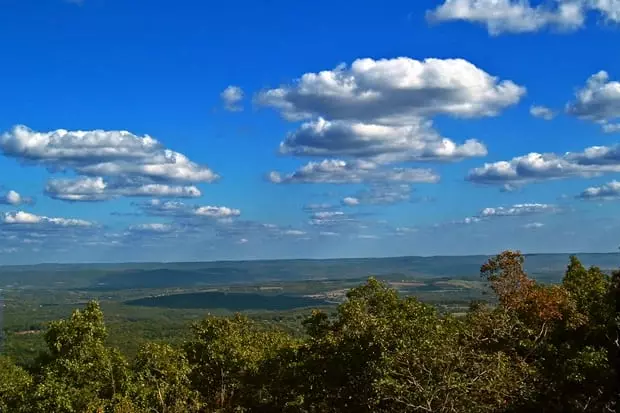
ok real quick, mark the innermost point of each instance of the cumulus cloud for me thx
(512, 16)
(179, 209)
(533, 167)
(350, 201)
(119, 155)
(598, 101)
(21, 218)
(15, 199)
(542, 112)
(231, 97)
(379, 112)
(394, 91)
(338, 171)
(518, 210)
(216, 212)
(608, 191)
(520, 16)
(416, 141)
(91, 189)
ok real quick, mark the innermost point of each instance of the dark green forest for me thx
(530, 347)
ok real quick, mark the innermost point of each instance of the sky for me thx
(195, 131)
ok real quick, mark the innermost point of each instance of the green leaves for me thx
(544, 348)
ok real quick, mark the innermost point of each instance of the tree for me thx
(161, 380)
(78, 373)
(15, 385)
(226, 355)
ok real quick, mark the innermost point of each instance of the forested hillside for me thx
(540, 348)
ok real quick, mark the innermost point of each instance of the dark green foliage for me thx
(228, 301)
(540, 348)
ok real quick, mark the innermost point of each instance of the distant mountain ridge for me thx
(547, 267)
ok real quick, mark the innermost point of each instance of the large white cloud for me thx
(608, 191)
(338, 171)
(379, 112)
(593, 161)
(118, 155)
(520, 16)
(394, 91)
(416, 141)
(97, 189)
(598, 101)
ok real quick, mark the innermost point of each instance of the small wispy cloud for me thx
(542, 112)
(231, 97)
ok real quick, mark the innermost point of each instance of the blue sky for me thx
(163, 131)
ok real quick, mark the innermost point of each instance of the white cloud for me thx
(385, 194)
(15, 198)
(611, 127)
(98, 153)
(542, 112)
(350, 201)
(328, 234)
(231, 96)
(518, 210)
(520, 16)
(338, 171)
(405, 230)
(152, 228)
(379, 112)
(367, 236)
(533, 167)
(512, 16)
(182, 210)
(216, 212)
(533, 225)
(323, 218)
(97, 189)
(608, 191)
(294, 232)
(598, 101)
(394, 91)
(468, 221)
(317, 207)
(416, 141)
(20, 218)
(243, 241)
